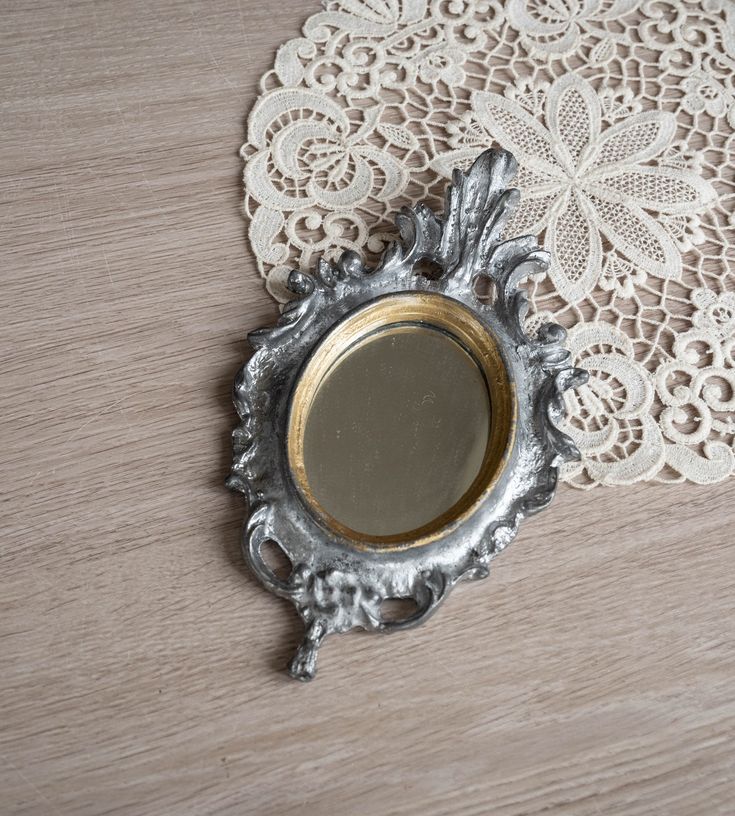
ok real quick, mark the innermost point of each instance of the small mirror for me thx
(399, 422)
(391, 442)
(399, 419)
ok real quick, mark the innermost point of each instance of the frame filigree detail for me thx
(334, 585)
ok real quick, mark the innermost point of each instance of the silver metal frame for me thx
(335, 585)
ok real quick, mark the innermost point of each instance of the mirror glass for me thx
(397, 430)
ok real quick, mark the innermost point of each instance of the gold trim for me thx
(439, 312)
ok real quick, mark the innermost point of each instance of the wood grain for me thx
(593, 673)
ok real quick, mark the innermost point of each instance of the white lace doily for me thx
(621, 114)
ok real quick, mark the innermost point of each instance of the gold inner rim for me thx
(400, 311)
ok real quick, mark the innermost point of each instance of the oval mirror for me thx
(391, 444)
(396, 426)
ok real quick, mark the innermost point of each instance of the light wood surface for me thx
(140, 664)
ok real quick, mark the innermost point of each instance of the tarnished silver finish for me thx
(336, 584)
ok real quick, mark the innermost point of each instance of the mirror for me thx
(391, 442)
(400, 420)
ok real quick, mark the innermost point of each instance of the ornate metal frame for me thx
(338, 582)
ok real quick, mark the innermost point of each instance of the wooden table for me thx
(594, 673)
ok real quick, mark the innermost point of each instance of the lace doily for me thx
(621, 114)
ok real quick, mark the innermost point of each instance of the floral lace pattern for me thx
(621, 114)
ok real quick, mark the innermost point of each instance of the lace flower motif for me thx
(697, 390)
(686, 34)
(590, 185)
(555, 28)
(315, 157)
(378, 18)
(443, 64)
(703, 93)
(715, 313)
(610, 418)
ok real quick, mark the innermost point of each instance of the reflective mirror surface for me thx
(397, 430)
